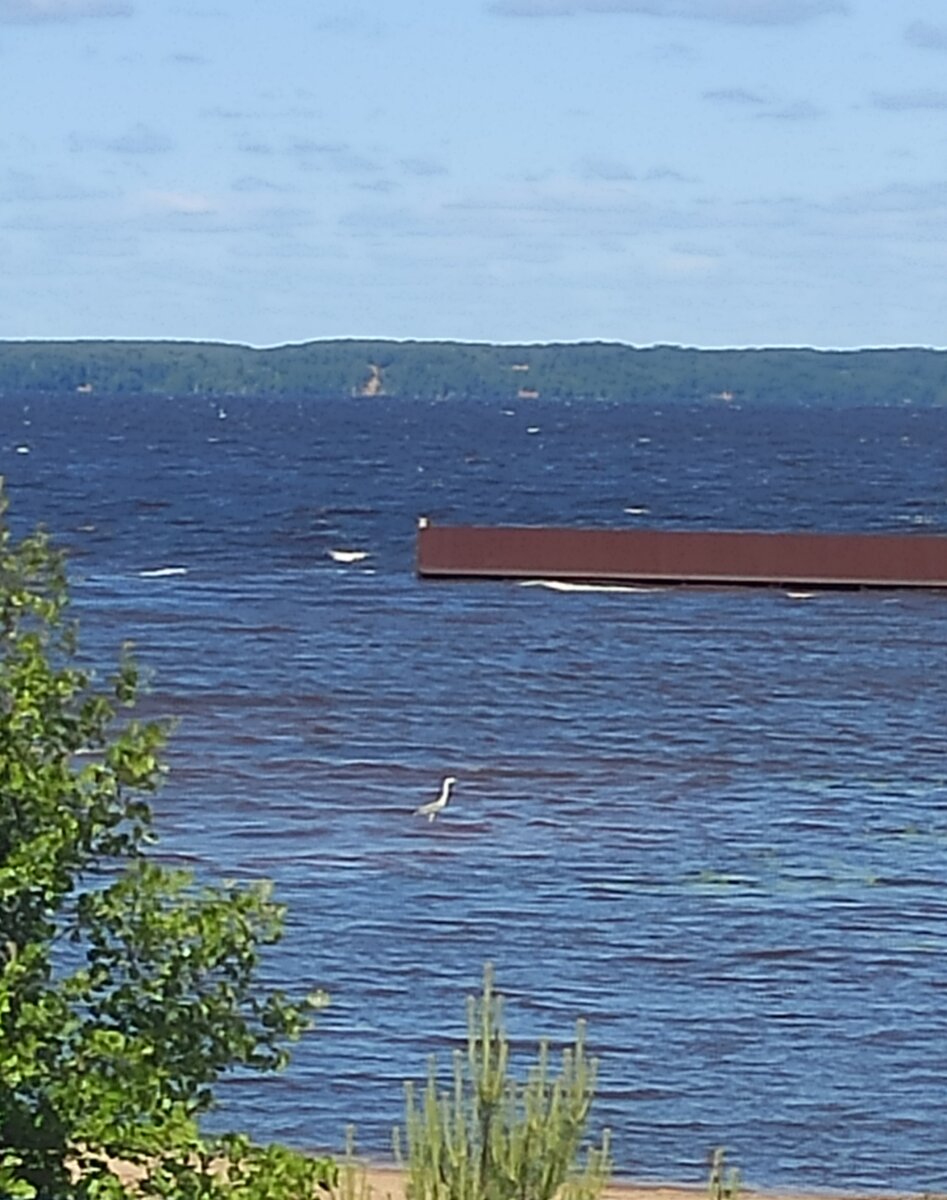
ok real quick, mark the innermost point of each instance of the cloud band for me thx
(34, 12)
(735, 12)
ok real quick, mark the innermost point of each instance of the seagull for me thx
(433, 807)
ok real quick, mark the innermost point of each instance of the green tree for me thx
(125, 988)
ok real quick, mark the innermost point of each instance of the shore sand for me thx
(381, 1181)
(388, 1182)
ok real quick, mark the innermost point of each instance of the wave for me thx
(562, 585)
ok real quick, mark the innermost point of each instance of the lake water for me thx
(713, 823)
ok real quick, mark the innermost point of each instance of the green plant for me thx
(724, 1182)
(490, 1137)
(351, 1178)
(125, 989)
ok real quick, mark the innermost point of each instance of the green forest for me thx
(351, 369)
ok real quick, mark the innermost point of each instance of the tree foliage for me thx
(344, 369)
(126, 989)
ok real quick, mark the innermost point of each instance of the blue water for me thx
(714, 823)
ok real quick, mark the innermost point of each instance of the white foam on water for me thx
(563, 585)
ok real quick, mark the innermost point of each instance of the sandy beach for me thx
(388, 1181)
(385, 1181)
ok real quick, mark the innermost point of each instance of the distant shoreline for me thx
(362, 369)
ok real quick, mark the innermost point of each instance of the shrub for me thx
(723, 1182)
(489, 1137)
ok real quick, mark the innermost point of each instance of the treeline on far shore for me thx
(353, 368)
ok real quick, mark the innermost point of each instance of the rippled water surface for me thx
(712, 822)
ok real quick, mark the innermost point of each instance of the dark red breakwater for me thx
(827, 560)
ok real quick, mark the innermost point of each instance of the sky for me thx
(694, 172)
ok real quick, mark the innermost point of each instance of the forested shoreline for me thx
(353, 368)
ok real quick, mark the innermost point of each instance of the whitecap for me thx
(348, 556)
(22, 449)
(161, 572)
(563, 585)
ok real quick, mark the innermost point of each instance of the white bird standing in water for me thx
(433, 807)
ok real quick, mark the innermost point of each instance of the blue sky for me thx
(703, 172)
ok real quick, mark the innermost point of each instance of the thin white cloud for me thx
(256, 183)
(380, 186)
(734, 95)
(911, 200)
(24, 187)
(796, 110)
(608, 169)
(683, 261)
(34, 12)
(334, 156)
(920, 98)
(137, 139)
(249, 146)
(422, 166)
(926, 35)
(562, 209)
(736, 12)
(763, 108)
(179, 203)
(667, 175)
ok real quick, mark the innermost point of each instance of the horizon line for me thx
(448, 341)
